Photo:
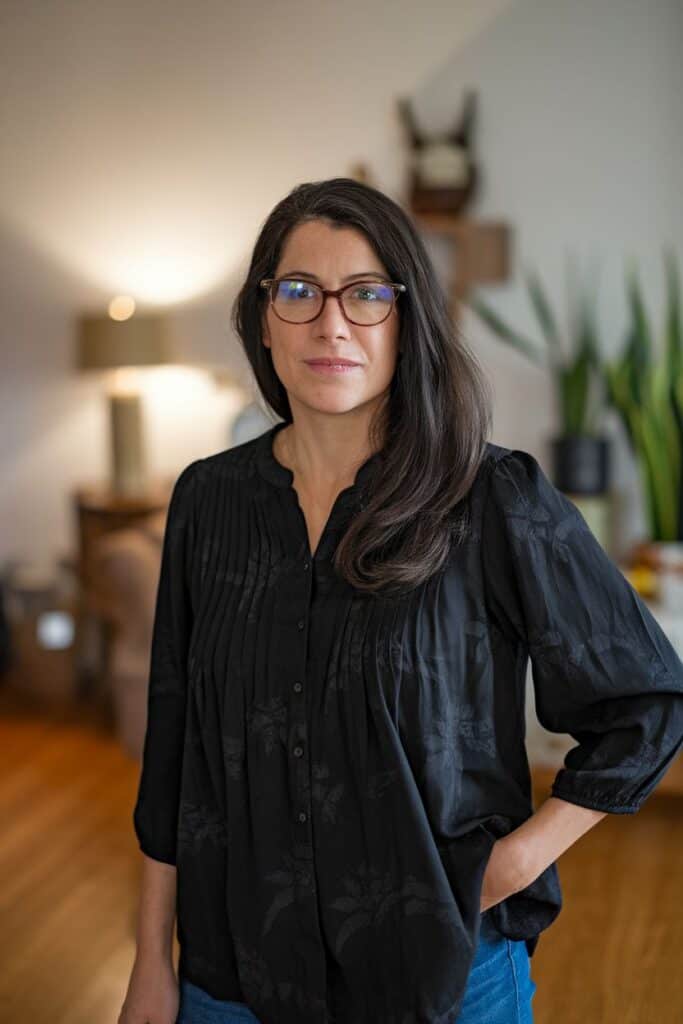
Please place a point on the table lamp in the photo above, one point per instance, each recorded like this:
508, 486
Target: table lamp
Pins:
121, 346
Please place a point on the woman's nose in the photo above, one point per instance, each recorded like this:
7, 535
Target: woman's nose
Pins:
331, 315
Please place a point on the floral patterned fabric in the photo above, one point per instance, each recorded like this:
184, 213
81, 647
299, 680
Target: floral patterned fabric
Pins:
329, 770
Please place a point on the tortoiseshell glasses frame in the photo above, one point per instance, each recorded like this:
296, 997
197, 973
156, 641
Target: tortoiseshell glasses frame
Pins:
270, 284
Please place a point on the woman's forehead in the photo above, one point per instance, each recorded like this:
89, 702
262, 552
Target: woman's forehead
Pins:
316, 247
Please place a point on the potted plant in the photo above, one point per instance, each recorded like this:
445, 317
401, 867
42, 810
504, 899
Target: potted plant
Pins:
645, 387
580, 451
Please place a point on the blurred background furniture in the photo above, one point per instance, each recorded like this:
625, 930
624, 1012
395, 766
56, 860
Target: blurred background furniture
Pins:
102, 513
127, 563
38, 612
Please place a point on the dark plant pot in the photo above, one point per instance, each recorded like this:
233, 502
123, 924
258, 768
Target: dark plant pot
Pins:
580, 463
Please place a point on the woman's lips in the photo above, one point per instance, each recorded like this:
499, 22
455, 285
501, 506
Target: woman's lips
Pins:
331, 368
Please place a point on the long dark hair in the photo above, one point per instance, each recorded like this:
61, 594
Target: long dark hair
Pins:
433, 428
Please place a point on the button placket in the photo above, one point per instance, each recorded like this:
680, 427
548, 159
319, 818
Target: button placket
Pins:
296, 597
301, 589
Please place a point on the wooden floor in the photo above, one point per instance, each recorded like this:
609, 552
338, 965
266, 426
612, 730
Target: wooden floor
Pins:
69, 866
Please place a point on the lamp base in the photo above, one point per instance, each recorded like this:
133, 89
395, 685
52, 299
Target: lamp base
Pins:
128, 463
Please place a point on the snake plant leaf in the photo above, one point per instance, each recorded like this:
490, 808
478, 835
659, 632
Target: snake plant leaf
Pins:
678, 395
619, 397
645, 385
641, 333
673, 344
657, 385
587, 328
634, 365
575, 381
545, 317
647, 464
673, 330
505, 333
664, 492
664, 396
664, 448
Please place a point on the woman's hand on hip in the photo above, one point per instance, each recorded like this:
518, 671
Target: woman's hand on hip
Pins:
507, 871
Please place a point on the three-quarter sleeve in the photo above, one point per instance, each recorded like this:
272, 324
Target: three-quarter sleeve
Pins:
603, 670
156, 809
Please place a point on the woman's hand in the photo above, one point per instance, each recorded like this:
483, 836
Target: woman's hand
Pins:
523, 854
508, 870
153, 995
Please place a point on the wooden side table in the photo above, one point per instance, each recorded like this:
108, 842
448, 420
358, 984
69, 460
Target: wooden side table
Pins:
99, 511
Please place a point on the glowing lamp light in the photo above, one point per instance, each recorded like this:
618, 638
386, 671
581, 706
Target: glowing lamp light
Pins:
122, 307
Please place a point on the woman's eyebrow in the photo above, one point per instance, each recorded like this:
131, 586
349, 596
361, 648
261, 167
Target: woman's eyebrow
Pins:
362, 274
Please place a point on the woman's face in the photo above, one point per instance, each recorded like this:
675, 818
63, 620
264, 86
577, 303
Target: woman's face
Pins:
331, 257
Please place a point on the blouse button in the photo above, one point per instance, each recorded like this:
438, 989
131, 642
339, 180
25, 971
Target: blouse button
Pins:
306, 565
298, 751
302, 816
297, 687
301, 624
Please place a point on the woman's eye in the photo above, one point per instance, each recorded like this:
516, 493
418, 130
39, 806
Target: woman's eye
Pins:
296, 290
365, 291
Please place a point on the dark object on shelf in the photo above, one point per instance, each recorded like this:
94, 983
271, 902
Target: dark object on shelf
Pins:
444, 177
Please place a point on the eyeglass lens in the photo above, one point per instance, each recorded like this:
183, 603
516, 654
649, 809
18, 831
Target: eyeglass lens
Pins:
365, 302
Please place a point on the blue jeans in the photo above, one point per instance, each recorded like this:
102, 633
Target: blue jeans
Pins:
499, 989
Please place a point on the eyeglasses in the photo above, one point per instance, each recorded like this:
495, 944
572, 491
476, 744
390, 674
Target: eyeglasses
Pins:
365, 303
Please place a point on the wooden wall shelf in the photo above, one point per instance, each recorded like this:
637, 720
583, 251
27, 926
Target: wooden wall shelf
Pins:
482, 251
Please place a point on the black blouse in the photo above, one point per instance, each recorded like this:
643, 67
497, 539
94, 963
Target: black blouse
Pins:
329, 770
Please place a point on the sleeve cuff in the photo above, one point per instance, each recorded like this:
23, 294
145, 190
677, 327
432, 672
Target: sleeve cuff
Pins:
595, 802
155, 854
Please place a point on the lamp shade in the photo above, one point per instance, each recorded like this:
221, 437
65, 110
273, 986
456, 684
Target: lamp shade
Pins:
105, 344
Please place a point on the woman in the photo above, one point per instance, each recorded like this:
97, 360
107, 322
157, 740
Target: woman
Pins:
335, 798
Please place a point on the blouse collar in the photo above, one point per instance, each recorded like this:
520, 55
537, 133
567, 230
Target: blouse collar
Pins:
274, 471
